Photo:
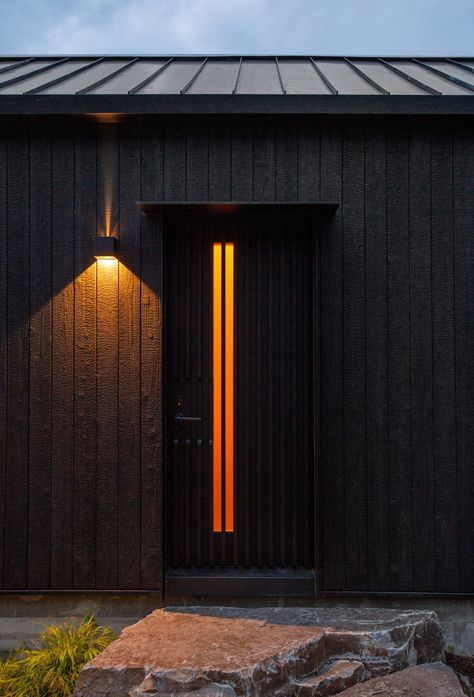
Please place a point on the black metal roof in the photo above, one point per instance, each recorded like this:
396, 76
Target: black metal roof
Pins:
178, 84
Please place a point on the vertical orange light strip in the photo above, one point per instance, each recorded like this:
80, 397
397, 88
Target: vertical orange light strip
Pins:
217, 386
229, 388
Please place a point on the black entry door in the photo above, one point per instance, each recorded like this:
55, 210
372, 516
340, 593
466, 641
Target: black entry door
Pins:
267, 297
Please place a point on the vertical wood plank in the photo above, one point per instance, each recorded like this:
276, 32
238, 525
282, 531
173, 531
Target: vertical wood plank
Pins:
398, 255
264, 169
174, 167
62, 359
464, 302
39, 497
242, 167
152, 385
197, 163
3, 337
85, 408
129, 359
309, 162
444, 362
331, 370
378, 478
220, 179
421, 368
18, 280
107, 364
354, 373
286, 163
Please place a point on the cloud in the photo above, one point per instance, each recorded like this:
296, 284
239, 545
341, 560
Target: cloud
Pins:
238, 26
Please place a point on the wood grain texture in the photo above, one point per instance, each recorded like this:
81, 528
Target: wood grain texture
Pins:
378, 475
421, 362
3, 338
354, 357
264, 168
129, 459
331, 371
85, 366
444, 363
220, 176
17, 391
242, 157
399, 437
62, 360
197, 163
463, 179
81, 356
107, 299
152, 368
39, 481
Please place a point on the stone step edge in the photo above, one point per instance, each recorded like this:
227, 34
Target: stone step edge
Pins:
335, 677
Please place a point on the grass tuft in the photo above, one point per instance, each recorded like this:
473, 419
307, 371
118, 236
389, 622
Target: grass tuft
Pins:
51, 669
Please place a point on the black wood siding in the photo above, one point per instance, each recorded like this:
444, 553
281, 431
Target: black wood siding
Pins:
80, 354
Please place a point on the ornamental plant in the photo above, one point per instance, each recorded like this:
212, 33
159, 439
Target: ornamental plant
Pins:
51, 668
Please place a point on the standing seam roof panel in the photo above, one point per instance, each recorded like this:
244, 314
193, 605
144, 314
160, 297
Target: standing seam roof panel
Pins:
301, 78
392, 82
173, 78
217, 77
7, 64
428, 78
280, 76
344, 78
29, 83
87, 77
131, 76
453, 70
259, 77
24, 70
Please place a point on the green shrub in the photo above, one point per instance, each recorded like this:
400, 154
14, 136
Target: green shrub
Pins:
51, 668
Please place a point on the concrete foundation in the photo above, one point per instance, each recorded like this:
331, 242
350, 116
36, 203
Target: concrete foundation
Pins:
22, 617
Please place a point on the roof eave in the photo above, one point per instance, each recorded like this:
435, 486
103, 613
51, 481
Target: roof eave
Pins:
278, 104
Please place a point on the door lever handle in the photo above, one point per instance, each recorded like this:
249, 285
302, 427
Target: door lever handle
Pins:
180, 417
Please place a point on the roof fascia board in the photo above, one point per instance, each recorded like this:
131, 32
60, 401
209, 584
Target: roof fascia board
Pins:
278, 104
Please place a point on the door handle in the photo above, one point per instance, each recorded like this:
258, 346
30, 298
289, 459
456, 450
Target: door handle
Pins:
180, 417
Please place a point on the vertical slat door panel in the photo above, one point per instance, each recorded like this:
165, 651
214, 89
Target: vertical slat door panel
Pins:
273, 378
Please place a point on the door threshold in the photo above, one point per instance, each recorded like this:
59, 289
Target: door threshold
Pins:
237, 581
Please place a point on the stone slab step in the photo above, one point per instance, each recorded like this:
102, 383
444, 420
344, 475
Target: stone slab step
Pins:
336, 677
254, 652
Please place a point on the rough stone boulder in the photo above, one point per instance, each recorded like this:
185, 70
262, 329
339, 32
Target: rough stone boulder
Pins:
267, 651
428, 680
334, 678
464, 667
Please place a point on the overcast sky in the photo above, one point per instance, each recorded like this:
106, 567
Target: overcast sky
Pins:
238, 26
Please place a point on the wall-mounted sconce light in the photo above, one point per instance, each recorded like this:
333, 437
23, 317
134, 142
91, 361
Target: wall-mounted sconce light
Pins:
105, 247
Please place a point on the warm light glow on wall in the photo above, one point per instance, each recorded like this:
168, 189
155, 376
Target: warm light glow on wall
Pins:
107, 262
223, 386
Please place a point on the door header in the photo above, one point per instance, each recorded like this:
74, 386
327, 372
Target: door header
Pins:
311, 209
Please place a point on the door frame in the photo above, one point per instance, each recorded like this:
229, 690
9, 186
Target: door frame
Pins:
232, 582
